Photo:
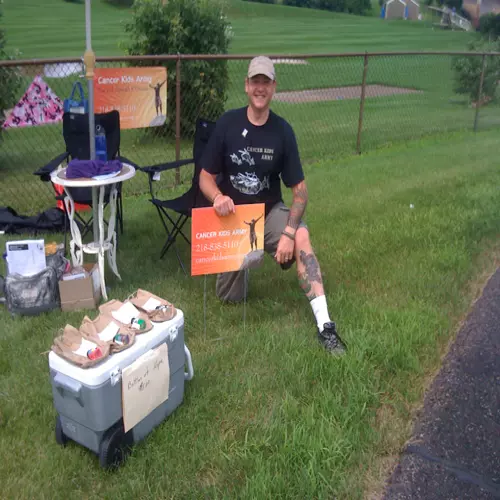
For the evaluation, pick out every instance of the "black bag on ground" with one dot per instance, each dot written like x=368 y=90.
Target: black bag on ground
x=50 y=221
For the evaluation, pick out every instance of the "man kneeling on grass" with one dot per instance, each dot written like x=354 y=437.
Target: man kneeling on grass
x=257 y=146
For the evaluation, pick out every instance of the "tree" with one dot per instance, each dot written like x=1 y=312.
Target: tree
x=468 y=71
x=185 y=27
x=489 y=26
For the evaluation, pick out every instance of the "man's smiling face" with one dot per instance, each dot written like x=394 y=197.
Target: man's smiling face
x=260 y=90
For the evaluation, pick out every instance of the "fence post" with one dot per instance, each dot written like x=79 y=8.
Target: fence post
x=362 y=104
x=478 y=102
x=177 y=118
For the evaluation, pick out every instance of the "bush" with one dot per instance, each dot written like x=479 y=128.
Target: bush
x=10 y=80
x=261 y=1
x=358 y=7
x=489 y=26
x=297 y=3
x=74 y=1
x=333 y=5
x=185 y=27
x=122 y=3
x=468 y=72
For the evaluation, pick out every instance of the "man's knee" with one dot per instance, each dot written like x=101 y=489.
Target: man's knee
x=231 y=287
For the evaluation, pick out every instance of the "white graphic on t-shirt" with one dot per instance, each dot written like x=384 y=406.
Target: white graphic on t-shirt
x=249 y=183
x=245 y=157
x=235 y=159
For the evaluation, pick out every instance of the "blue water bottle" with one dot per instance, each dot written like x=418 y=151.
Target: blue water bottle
x=101 y=152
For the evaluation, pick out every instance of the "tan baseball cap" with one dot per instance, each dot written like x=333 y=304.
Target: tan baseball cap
x=261 y=65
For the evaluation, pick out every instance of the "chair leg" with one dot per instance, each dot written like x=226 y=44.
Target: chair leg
x=179 y=259
x=176 y=229
x=167 y=245
x=176 y=225
x=171 y=242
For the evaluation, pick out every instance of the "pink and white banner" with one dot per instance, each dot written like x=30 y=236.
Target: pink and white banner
x=38 y=106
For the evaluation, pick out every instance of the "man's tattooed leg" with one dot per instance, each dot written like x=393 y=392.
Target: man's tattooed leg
x=306 y=286
x=310 y=275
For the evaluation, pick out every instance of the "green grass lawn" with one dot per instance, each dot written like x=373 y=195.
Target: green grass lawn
x=269 y=414
x=37 y=31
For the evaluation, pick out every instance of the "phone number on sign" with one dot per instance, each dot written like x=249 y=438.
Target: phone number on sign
x=212 y=247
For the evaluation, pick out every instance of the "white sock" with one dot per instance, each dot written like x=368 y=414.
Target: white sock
x=320 y=310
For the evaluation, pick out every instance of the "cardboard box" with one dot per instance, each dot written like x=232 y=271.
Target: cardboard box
x=83 y=293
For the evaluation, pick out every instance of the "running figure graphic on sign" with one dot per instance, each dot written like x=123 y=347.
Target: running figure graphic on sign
x=253 y=235
x=158 y=103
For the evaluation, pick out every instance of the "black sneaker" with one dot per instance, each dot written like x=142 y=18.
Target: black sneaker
x=330 y=339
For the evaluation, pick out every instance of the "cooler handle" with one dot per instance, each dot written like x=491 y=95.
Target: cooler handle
x=190 y=373
x=66 y=384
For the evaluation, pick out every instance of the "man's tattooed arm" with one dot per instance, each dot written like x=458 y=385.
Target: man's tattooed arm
x=298 y=205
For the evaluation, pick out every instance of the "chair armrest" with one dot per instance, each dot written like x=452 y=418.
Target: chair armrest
x=161 y=167
x=124 y=159
x=45 y=171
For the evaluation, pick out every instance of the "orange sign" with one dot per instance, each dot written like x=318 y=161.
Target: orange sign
x=231 y=243
x=139 y=94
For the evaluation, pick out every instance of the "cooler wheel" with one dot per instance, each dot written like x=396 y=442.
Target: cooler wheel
x=112 y=449
x=61 y=438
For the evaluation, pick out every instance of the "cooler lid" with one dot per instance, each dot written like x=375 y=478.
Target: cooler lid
x=102 y=372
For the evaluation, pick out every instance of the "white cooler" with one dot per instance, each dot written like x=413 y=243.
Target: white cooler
x=89 y=401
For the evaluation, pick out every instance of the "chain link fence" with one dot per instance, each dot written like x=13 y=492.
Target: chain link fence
x=337 y=105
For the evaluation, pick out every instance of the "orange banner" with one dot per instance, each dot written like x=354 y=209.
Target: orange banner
x=231 y=243
x=139 y=94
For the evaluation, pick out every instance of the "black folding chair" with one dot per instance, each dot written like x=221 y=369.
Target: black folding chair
x=193 y=198
x=76 y=138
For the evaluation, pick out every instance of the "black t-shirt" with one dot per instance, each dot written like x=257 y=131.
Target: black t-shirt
x=251 y=159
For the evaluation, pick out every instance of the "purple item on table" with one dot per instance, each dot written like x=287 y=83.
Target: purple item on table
x=90 y=168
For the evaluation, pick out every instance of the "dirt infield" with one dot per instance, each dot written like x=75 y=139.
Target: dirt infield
x=339 y=93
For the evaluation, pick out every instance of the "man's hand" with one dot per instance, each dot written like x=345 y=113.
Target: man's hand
x=284 y=252
x=223 y=205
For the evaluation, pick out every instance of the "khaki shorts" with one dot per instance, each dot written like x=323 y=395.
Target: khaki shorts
x=230 y=287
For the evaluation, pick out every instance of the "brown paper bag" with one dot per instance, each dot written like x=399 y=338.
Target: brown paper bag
x=157 y=309
x=120 y=312
x=73 y=346
x=105 y=328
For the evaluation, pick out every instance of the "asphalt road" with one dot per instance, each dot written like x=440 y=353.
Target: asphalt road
x=454 y=452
